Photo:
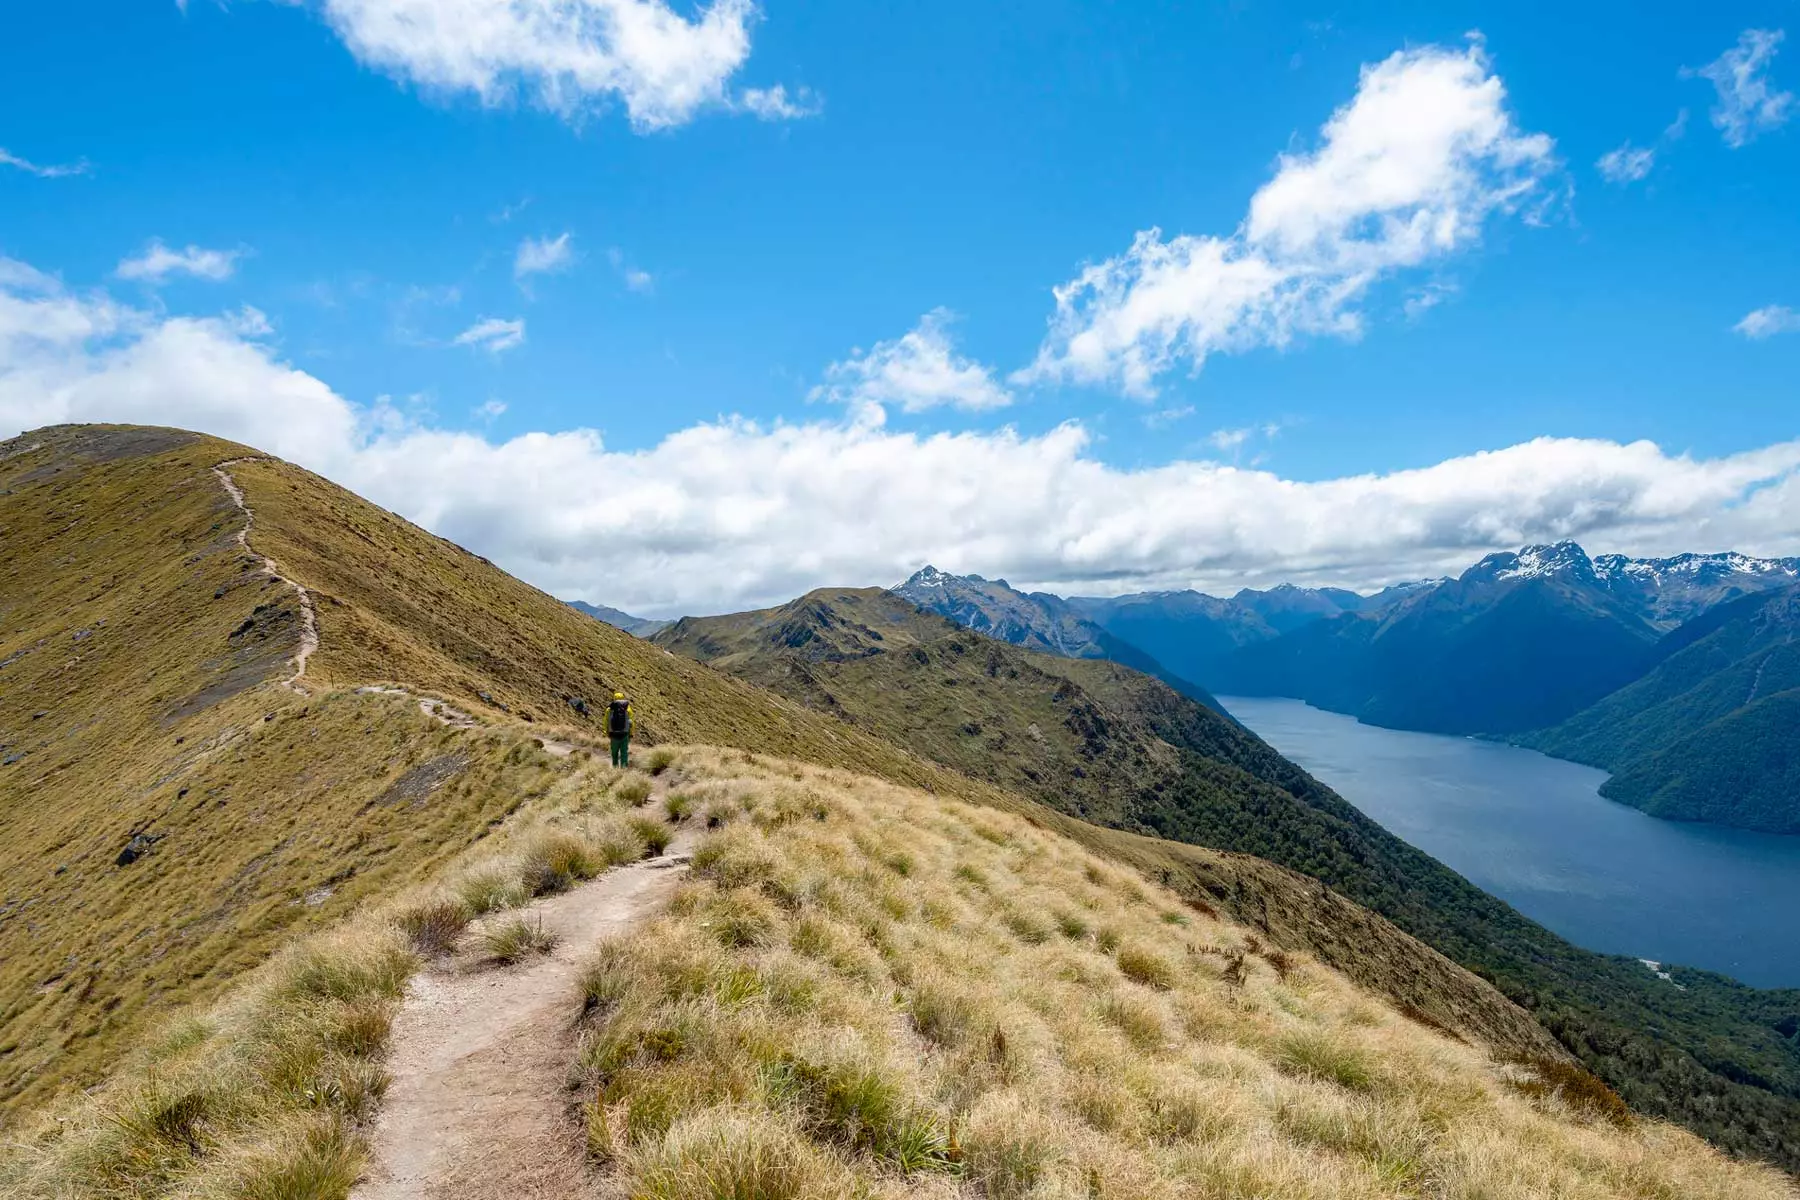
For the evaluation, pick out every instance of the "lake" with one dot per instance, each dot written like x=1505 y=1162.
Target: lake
x=1536 y=832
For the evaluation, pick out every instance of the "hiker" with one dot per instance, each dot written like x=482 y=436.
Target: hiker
x=618 y=729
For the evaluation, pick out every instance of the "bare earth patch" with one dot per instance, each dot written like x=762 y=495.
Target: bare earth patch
x=479 y=1106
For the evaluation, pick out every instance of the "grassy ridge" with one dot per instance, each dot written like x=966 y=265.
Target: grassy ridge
x=253 y=830
x=868 y=990
x=1123 y=749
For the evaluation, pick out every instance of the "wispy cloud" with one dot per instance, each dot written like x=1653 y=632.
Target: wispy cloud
x=1627 y=164
x=776 y=104
x=1748 y=103
x=1407 y=172
x=157 y=262
x=508 y=211
x=493 y=334
x=1768 y=321
x=918 y=371
x=543 y=256
x=42 y=170
x=636 y=278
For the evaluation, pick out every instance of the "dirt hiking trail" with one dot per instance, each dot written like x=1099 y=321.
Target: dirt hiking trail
x=479 y=1107
x=309 y=619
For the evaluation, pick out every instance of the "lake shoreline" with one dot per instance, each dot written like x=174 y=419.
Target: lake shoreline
x=1535 y=831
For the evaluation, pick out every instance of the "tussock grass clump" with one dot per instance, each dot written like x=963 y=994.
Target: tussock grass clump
x=515 y=939
x=1140 y=964
x=997 y=1014
x=660 y=760
x=433 y=923
x=633 y=790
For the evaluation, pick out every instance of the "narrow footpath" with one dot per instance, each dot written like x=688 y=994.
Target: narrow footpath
x=479 y=1107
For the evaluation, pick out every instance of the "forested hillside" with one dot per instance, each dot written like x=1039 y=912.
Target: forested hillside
x=1712 y=731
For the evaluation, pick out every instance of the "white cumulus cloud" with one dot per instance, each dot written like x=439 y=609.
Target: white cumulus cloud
x=569 y=56
x=492 y=334
x=918 y=371
x=1407 y=172
x=543 y=256
x=1769 y=321
x=731 y=513
x=1627 y=164
x=1748 y=103
x=157 y=262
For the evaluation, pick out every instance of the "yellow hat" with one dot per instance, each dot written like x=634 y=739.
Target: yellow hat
x=618 y=695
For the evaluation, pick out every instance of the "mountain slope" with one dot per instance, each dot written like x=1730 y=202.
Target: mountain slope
x=1036 y=621
x=176 y=800
x=1665 y=592
x=1709 y=733
x=170 y=809
x=1186 y=631
x=1518 y=642
x=1130 y=751
x=904 y=996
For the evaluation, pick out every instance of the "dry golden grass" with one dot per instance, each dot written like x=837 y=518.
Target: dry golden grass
x=867 y=990
x=268 y=1095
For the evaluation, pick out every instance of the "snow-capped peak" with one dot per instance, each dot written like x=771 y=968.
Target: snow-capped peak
x=1537 y=562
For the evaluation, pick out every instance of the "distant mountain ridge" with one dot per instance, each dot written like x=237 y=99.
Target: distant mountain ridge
x=637 y=626
x=1036 y=621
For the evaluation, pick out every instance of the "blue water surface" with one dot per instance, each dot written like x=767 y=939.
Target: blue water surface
x=1536 y=832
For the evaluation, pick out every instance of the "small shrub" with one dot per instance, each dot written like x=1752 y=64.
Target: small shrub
x=1143 y=965
x=660 y=760
x=1319 y=1056
x=1107 y=939
x=1575 y=1087
x=970 y=873
x=352 y=967
x=678 y=805
x=1071 y=924
x=515 y=938
x=1236 y=969
x=434 y=923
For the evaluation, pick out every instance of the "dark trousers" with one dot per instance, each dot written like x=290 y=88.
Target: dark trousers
x=621 y=749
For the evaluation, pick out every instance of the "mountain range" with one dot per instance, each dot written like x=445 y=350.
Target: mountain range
x=1520 y=645
x=1035 y=620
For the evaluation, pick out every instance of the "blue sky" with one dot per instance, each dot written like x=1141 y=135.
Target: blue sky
x=937 y=170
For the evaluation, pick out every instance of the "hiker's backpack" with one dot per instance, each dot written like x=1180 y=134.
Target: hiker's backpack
x=618 y=717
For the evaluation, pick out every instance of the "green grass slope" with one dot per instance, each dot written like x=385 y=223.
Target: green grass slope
x=1108 y=744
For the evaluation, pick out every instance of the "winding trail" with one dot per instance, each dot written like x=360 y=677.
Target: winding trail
x=309 y=618
x=479 y=1106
